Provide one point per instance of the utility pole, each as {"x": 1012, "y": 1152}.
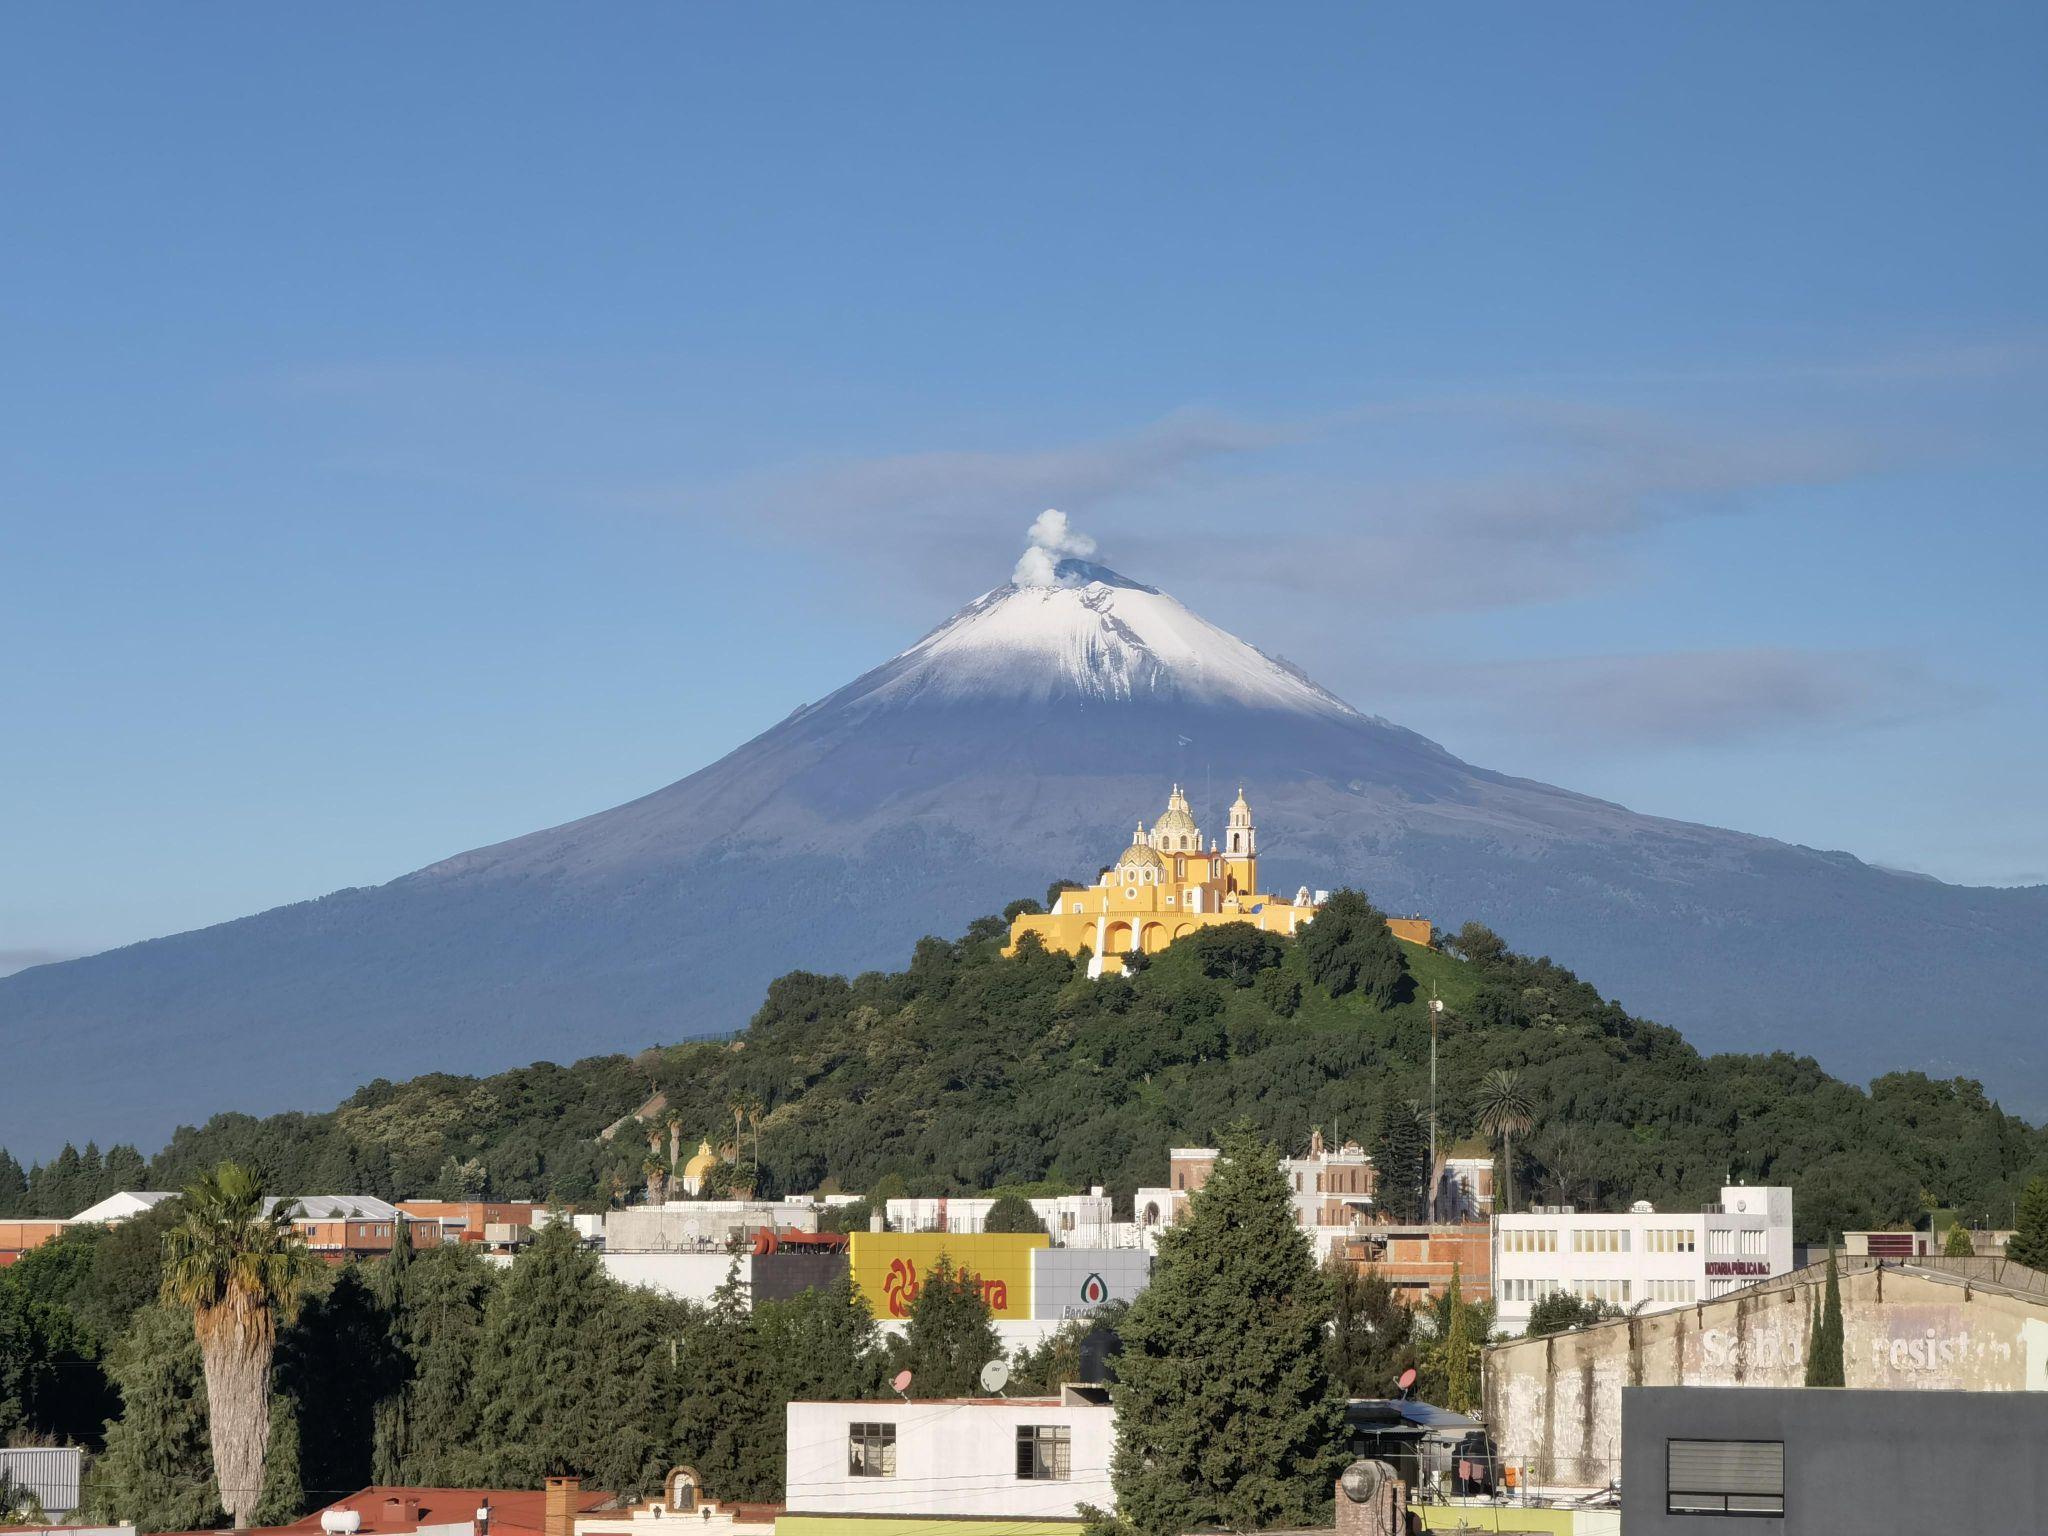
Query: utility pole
{"x": 1436, "y": 1012}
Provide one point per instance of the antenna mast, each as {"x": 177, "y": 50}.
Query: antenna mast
{"x": 1436, "y": 1009}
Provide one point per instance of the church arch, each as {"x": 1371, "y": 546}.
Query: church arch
{"x": 1183, "y": 931}
{"x": 1117, "y": 939}
{"x": 1155, "y": 938}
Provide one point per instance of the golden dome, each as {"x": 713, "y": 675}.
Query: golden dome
{"x": 702, "y": 1163}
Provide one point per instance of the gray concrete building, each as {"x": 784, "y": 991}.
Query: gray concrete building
{"x": 1555, "y": 1404}
{"x": 1811, "y": 1461}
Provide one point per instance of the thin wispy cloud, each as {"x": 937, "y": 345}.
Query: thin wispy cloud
{"x": 1702, "y": 698}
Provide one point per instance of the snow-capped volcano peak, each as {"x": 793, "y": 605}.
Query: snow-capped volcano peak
{"x": 1091, "y": 634}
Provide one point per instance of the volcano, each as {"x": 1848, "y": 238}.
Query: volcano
{"x": 1016, "y": 743}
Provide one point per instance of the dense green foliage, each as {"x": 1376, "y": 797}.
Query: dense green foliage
{"x": 1958, "y": 1244}
{"x": 968, "y": 1072}
{"x": 2028, "y": 1244}
{"x": 949, "y": 1336}
{"x": 1373, "y": 1335}
{"x": 1011, "y": 1212}
{"x": 1225, "y": 1411}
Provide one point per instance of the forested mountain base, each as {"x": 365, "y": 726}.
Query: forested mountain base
{"x": 967, "y": 1071}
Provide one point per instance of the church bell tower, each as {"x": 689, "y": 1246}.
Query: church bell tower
{"x": 1241, "y": 847}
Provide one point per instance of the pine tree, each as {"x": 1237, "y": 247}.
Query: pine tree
{"x": 1012, "y": 1213}
{"x": 13, "y": 1185}
{"x": 1958, "y": 1244}
{"x": 949, "y": 1335}
{"x": 1824, "y": 1363}
{"x": 2029, "y": 1242}
{"x": 1225, "y": 1411}
{"x": 336, "y": 1365}
{"x": 538, "y": 1409}
{"x": 729, "y": 1398}
{"x": 157, "y": 1469}
{"x": 426, "y": 1432}
{"x": 1400, "y": 1156}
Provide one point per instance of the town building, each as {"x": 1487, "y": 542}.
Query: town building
{"x": 1331, "y": 1187}
{"x": 383, "y": 1510}
{"x": 341, "y": 1227}
{"x": 1641, "y": 1258}
{"x": 1554, "y": 1404}
{"x": 124, "y": 1204}
{"x": 1075, "y": 1221}
{"x": 1030, "y": 1463}
{"x": 493, "y": 1223}
{"x": 51, "y": 1474}
{"x": 1166, "y": 885}
{"x": 1418, "y": 1259}
{"x": 18, "y": 1237}
{"x": 703, "y": 1226}
{"x": 1817, "y": 1463}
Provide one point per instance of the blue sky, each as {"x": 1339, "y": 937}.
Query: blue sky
{"x": 421, "y": 425}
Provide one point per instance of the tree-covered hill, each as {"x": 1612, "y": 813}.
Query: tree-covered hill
{"x": 967, "y": 1071}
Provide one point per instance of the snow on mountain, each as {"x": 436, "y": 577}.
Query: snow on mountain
{"x": 1094, "y": 635}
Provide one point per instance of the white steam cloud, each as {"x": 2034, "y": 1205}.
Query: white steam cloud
{"x": 1051, "y": 536}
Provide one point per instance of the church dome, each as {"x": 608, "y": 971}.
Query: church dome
{"x": 702, "y": 1163}
{"x": 1176, "y": 829}
{"x": 1140, "y": 855}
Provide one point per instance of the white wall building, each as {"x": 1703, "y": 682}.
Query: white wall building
{"x": 1656, "y": 1259}
{"x": 1072, "y": 1221}
{"x": 1014, "y": 1458}
{"x": 702, "y": 1226}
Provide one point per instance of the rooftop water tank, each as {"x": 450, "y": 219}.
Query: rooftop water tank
{"x": 341, "y": 1522}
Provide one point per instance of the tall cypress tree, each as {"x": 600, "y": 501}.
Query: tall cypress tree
{"x": 1825, "y": 1366}
{"x": 728, "y": 1392}
{"x": 1225, "y": 1411}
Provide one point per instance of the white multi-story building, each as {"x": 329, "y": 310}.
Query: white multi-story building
{"x": 1072, "y": 1221}
{"x": 1644, "y": 1257}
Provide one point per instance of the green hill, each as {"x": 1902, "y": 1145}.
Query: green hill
{"x": 966, "y": 1071}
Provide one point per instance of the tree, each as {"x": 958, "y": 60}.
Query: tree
{"x": 1225, "y": 1411}
{"x": 156, "y": 1470}
{"x": 949, "y": 1336}
{"x": 426, "y": 1432}
{"x": 1237, "y": 952}
{"x": 1400, "y": 1156}
{"x": 541, "y": 1409}
{"x": 2028, "y": 1244}
{"x": 1478, "y": 944}
{"x": 1824, "y": 1360}
{"x": 1450, "y": 1364}
{"x": 1011, "y": 1212}
{"x": 1561, "y": 1312}
{"x": 1350, "y": 948}
{"x": 1054, "y": 891}
{"x": 1372, "y": 1331}
{"x": 1504, "y": 1114}
{"x": 1958, "y": 1244}
{"x": 237, "y": 1267}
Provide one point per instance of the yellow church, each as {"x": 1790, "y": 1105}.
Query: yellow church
{"x": 1166, "y": 885}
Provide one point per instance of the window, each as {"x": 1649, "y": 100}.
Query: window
{"x": 1670, "y": 1290}
{"x": 1045, "y": 1451}
{"x": 1721, "y": 1240}
{"x": 1724, "y": 1477}
{"x": 871, "y": 1450}
{"x": 1753, "y": 1241}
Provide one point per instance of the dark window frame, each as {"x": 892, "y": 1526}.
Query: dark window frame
{"x": 1045, "y": 1453}
{"x": 1699, "y": 1501}
{"x": 871, "y": 1448}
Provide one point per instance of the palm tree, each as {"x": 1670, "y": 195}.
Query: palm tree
{"x": 1504, "y": 1114}
{"x": 236, "y": 1267}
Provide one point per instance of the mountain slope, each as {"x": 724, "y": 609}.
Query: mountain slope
{"x": 1015, "y": 743}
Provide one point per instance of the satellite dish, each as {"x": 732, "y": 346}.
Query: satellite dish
{"x": 902, "y": 1383}
{"x": 995, "y": 1376}
{"x": 1407, "y": 1381}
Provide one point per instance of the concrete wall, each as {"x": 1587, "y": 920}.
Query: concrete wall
{"x": 686, "y": 1225}
{"x": 952, "y": 1458}
{"x": 1554, "y": 1405}
{"x": 686, "y": 1276}
{"x": 1854, "y": 1460}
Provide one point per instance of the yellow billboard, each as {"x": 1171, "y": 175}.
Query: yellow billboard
{"x": 890, "y": 1267}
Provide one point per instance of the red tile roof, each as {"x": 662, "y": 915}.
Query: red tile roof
{"x": 388, "y": 1511}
